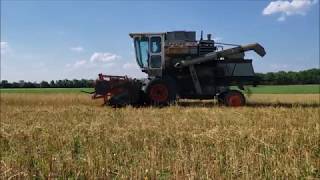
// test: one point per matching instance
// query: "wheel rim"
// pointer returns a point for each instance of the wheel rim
(159, 93)
(234, 100)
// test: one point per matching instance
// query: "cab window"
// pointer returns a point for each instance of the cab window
(155, 44)
(142, 51)
(155, 61)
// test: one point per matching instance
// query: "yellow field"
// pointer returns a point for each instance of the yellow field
(71, 136)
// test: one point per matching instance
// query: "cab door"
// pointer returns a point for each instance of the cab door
(156, 52)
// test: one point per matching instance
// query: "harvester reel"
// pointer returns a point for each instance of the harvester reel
(128, 94)
(117, 91)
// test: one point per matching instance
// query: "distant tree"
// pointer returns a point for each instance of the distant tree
(30, 85)
(68, 83)
(5, 84)
(269, 78)
(60, 84)
(90, 83)
(15, 85)
(310, 76)
(83, 83)
(76, 83)
(44, 84)
(52, 84)
(21, 84)
(292, 77)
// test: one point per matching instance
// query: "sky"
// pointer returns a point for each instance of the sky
(51, 40)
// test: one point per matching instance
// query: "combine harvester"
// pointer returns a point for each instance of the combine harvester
(179, 66)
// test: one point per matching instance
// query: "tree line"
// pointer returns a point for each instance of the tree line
(82, 83)
(310, 76)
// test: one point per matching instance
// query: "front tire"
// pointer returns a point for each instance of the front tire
(161, 92)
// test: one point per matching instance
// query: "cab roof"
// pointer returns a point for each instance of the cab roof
(145, 33)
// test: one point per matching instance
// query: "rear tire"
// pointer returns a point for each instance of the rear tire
(234, 98)
(161, 92)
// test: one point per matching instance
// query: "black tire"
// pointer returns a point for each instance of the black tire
(161, 92)
(234, 98)
(119, 100)
(130, 95)
(221, 99)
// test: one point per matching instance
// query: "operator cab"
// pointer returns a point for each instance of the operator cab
(149, 50)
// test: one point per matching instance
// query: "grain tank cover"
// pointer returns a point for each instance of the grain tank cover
(181, 36)
(181, 44)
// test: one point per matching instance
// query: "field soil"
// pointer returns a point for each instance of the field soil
(70, 136)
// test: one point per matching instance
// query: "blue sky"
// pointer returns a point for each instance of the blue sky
(44, 40)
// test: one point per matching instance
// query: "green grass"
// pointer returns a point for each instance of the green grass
(287, 89)
(279, 89)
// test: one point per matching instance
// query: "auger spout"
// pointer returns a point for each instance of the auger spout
(256, 47)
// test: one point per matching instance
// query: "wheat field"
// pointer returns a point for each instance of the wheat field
(50, 136)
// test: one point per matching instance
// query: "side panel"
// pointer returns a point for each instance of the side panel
(236, 69)
(213, 75)
(235, 72)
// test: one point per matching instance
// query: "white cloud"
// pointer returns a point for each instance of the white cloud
(80, 63)
(97, 59)
(217, 38)
(279, 67)
(101, 62)
(4, 47)
(282, 18)
(4, 44)
(77, 49)
(103, 57)
(77, 64)
(129, 66)
(288, 8)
